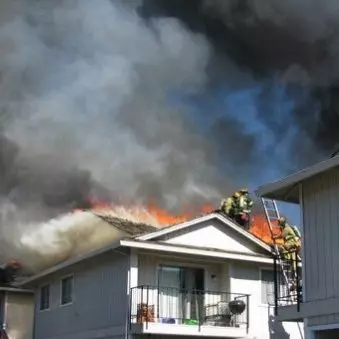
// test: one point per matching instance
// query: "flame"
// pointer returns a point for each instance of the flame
(154, 215)
(260, 228)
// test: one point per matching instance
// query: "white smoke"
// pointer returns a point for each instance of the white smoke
(47, 244)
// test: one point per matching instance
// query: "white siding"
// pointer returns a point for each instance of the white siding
(214, 234)
(100, 299)
(245, 278)
(321, 236)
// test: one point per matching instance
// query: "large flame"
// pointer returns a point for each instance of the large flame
(159, 217)
(260, 228)
(46, 244)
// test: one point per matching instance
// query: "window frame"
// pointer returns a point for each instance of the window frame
(40, 297)
(68, 276)
(261, 285)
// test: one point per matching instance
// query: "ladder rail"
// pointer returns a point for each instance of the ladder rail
(276, 248)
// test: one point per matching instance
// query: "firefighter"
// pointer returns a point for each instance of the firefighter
(230, 205)
(245, 202)
(291, 237)
(244, 209)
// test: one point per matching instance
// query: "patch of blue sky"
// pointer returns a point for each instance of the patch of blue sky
(241, 106)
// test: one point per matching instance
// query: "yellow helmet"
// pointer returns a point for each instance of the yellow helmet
(236, 195)
(282, 221)
(244, 190)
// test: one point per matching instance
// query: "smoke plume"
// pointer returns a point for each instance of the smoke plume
(86, 109)
(292, 45)
(92, 102)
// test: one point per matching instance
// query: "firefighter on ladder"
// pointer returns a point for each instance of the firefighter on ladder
(291, 247)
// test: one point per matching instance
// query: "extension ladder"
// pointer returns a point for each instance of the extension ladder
(272, 214)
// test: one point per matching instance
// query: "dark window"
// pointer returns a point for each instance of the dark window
(66, 290)
(44, 297)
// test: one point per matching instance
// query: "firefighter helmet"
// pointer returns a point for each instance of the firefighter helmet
(282, 221)
(244, 190)
(236, 195)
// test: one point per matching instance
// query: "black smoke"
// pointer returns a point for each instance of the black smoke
(293, 41)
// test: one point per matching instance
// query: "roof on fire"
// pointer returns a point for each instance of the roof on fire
(287, 188)
(127, 226)
(152, 233)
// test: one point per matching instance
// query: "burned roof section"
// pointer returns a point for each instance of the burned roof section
(127, 226)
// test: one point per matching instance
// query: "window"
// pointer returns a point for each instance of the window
(67, 290)
(44, 297)
(267, 287)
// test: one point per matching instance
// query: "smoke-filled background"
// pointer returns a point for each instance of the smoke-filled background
(176, 102)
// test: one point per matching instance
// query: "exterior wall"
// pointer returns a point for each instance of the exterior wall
(233, 277)
(321, 236)
(19, 315)
(245, 278)
(214, 234)
(147, 275)
(324, 320)
(148, 270)
(100, 305)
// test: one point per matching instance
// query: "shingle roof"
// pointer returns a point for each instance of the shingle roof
(127, 226)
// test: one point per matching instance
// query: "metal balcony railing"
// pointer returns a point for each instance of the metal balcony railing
(287, 291)
(166, 305)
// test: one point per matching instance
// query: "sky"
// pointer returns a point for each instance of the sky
(240, 104)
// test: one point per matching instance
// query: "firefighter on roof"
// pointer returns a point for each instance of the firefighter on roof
(230, 205)
(244, 209)
(238, 207)
(245, 202)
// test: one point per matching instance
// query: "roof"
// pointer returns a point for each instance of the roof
(124, 225)
(287, 188)
(215, 215)
(143, 240)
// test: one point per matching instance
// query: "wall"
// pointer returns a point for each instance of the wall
(245, 278)
(19, 315)
(216, 277)
(321, 236)
(100, 301)
(213, 234)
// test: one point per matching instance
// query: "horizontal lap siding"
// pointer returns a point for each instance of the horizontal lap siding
(324, 320)
(100, 299)
(321, 236)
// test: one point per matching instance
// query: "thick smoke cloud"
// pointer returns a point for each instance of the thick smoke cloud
(85, 109)
(293, 44)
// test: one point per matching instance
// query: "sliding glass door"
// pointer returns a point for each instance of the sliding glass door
(180, 293)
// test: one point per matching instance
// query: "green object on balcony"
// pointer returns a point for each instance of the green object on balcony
(191, 322)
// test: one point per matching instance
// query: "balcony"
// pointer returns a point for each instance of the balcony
(159, 310)
(288, 297)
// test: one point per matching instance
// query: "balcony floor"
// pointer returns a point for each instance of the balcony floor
(190, 330)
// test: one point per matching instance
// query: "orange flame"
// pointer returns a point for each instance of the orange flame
(259, 224)
(260, 229)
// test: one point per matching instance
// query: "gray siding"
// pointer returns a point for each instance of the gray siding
(324, 320)
(321, 236)
(100, 298)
